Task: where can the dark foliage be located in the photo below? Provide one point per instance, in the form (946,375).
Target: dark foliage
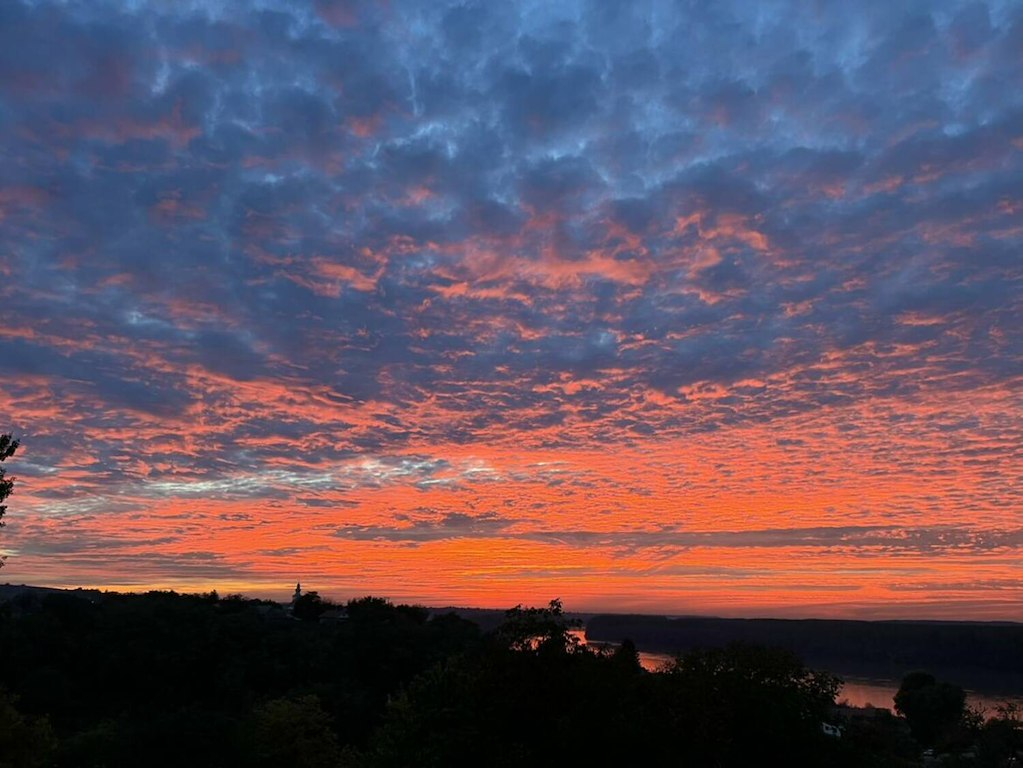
(1001,738)
(163,679)
(745,701)
(936,712)
(537,629)
(877,739)
(8,445)
(309,607)
(532,696)
(25,742)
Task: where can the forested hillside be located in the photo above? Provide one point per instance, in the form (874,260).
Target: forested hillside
(162,679)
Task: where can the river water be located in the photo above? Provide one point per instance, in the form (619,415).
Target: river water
(856,691)
(862,691)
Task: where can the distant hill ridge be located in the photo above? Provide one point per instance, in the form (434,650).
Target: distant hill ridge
(885,647)
(11,591)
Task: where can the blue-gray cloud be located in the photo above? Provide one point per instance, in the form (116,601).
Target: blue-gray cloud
(312,232)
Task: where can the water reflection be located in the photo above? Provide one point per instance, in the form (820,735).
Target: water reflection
(650,661)
(856,691)
(862,692)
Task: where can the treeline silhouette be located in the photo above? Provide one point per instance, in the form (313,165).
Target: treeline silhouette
(162,679)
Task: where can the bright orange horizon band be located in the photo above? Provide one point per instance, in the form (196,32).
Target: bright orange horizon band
(792,519)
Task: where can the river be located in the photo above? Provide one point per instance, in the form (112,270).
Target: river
(856,691)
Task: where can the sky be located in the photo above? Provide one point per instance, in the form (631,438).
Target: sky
(670,307)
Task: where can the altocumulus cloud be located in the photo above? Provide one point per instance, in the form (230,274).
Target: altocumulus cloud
(352,258)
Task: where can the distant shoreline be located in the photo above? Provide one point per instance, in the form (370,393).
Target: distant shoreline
(495,615)
(982,656)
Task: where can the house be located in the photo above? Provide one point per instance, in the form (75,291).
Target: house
(834,731)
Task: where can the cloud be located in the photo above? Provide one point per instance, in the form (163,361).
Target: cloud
(447,526)
(890,540)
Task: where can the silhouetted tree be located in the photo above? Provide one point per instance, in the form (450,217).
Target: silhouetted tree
(933,710)
(309,607)
(295,732)
(8,445)
(1001,737)
(24,742)
(164,680)
(538,629)
(880,741)
(743,701)
(372,610)
(626,656)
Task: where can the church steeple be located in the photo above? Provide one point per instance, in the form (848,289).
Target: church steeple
(298,593)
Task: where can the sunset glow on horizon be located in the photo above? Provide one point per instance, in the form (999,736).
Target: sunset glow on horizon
(649,307)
